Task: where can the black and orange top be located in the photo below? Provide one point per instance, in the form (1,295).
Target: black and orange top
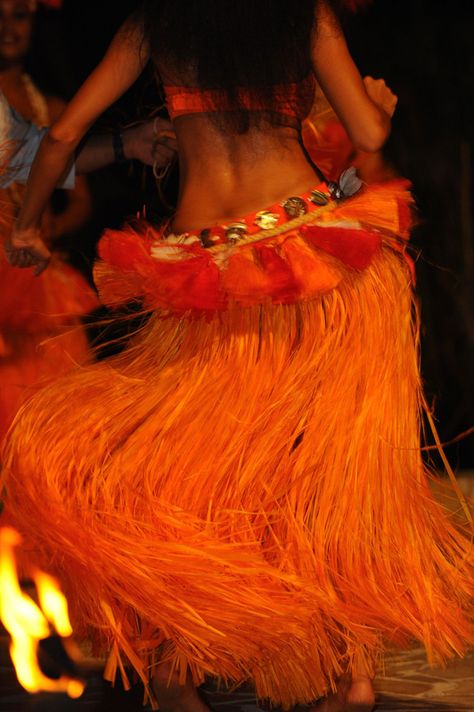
(291,102)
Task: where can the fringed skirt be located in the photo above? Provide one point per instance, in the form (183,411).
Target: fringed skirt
(41,334)
(241,491)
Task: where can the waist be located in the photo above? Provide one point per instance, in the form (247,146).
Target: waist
(293,207)
(200,208)
(232,177)
(290,251)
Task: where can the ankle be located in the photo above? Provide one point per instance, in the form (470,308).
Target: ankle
(360,696)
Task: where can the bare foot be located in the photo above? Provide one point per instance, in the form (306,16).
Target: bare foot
(354,694)
(360,696)
(173,697)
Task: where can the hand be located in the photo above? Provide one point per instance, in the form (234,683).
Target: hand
(381,95)
(25,248)
(152,142)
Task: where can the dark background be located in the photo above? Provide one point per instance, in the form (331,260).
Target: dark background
(423,49)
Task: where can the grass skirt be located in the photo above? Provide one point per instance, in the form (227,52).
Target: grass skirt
(41,335)
(242,491)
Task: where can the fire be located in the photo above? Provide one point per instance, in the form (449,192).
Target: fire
(28,623)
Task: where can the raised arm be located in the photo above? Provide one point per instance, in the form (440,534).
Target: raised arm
(364,106)
(121,66)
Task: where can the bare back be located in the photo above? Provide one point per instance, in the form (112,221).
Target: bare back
(226,175)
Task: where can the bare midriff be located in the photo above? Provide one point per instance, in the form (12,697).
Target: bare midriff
(224,176)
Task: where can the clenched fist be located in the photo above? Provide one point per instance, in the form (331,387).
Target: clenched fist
(26,248)
(381,95)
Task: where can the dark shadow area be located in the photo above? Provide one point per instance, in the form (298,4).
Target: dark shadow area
(425,54)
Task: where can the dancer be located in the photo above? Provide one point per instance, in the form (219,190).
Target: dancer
(243,494)
(35,330)
(16,28)
(33,312)
(40,329)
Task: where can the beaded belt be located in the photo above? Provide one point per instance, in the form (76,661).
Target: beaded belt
(288,210)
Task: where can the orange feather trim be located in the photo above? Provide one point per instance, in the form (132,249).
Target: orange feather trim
(301,262)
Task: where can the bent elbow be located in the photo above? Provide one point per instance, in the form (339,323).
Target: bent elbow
(62,138)
(372,138)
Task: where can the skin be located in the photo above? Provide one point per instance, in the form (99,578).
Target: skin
(151,142)
(16,28)
(222,177)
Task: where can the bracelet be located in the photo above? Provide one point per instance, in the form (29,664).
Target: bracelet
(117,143)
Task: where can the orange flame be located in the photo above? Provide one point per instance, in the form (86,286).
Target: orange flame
(28,624)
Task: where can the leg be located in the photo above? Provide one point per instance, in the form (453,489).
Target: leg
(173,697)
(360,696)
(354,693)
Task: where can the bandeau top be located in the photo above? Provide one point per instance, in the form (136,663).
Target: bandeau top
(291,102)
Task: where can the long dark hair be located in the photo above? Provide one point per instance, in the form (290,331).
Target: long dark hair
(227,44)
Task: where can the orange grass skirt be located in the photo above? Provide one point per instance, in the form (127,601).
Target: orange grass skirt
(41,335)
(242,492)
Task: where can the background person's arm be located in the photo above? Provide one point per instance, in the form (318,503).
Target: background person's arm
(141,142)
(20,141)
